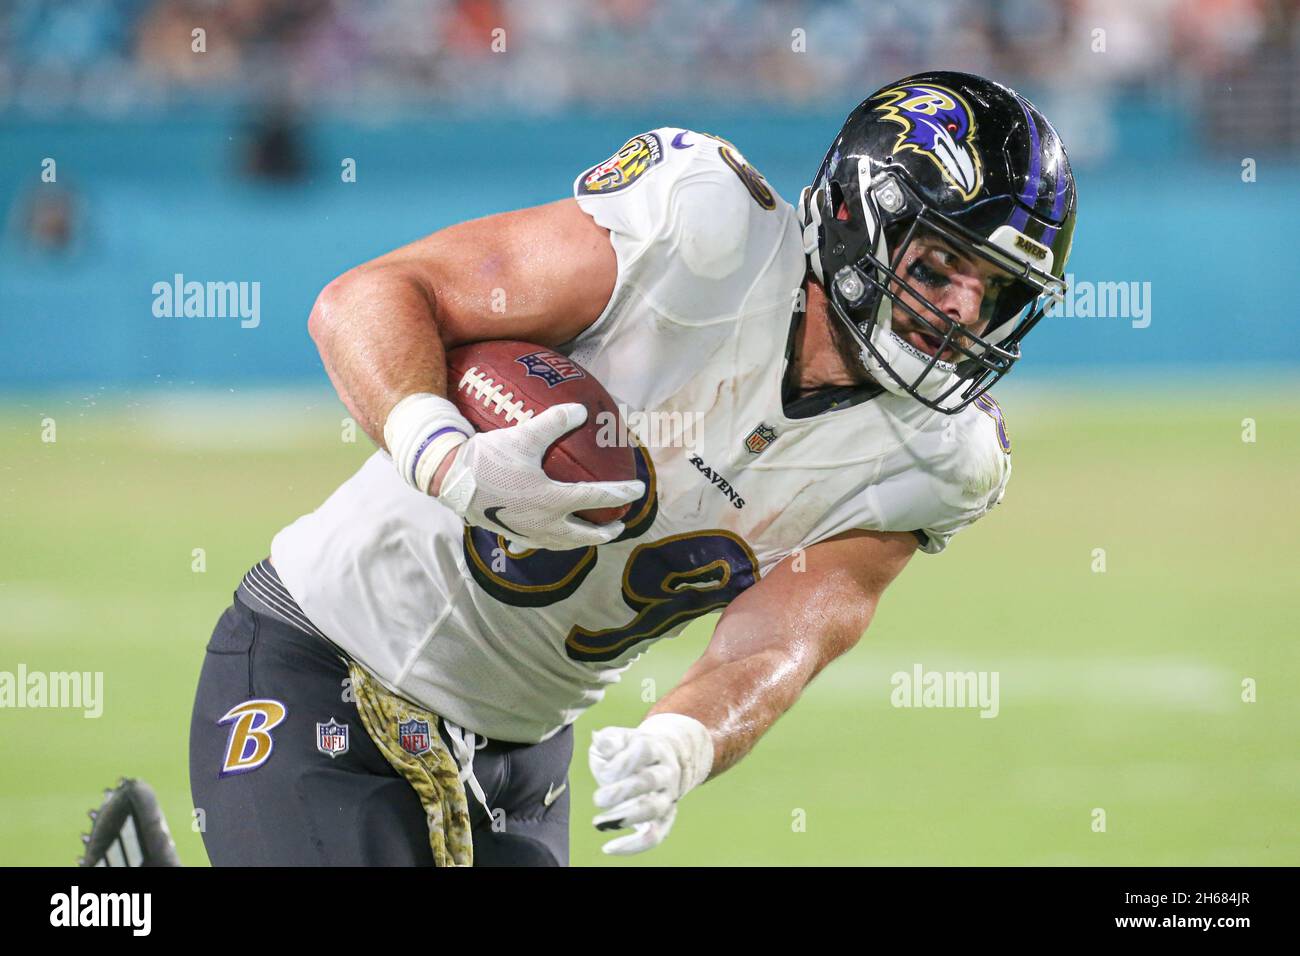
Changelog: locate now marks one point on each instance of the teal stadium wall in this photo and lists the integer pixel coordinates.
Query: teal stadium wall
(165, 195)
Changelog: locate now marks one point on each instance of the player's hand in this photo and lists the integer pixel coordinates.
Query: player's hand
(642, 772)
(496, 482)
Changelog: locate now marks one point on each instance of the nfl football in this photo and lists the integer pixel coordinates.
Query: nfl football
(497, 384)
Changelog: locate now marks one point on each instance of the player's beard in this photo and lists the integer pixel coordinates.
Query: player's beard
(846, 347)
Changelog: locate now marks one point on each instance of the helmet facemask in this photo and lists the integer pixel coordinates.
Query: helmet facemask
(868, 294)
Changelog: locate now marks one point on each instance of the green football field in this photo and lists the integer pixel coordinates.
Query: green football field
(1120, 690)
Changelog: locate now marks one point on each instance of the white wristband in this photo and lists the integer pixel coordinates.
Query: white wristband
(420, 431)
(692, 743)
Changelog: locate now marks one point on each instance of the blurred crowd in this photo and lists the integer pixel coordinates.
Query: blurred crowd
(110, 56)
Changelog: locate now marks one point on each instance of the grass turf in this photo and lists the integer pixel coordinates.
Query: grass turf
(1120, 690)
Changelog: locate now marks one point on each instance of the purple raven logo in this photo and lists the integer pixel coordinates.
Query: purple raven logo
(939, 124)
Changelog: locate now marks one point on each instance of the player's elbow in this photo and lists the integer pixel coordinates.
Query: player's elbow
(340, 305)
(329, 307)
(371, 299)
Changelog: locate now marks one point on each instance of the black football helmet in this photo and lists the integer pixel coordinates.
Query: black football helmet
(967, 161)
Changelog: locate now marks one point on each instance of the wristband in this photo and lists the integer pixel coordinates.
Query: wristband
(420, 432)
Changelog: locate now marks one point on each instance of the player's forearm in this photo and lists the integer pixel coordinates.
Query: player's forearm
(377, 333)
(738, 700)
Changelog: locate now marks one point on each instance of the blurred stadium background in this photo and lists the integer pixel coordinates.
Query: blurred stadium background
(1120, 689)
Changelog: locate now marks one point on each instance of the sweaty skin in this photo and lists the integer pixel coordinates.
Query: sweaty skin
(777, 636)
(383, 329)
(954, 283)
(539, 275)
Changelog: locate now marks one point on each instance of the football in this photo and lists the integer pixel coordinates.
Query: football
(496, 384)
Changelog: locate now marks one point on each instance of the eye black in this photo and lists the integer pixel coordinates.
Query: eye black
(928, 276)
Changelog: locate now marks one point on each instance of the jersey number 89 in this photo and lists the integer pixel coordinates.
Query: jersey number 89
(665, 583)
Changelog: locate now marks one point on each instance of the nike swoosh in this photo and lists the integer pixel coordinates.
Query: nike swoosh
(552, 794)
(491, 515)
(679, 141)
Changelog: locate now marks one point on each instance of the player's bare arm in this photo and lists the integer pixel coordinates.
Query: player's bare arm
(542, 275)
(767, 647)
(776, 637)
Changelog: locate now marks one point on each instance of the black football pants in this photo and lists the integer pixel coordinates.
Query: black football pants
(291, 796)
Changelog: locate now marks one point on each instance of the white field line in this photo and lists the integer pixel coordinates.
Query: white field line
(1138, 683)
(1171, 683)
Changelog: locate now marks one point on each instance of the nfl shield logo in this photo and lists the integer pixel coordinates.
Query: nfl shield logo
(414, 736)
(332, 738)
(551, 367)
(759, 439)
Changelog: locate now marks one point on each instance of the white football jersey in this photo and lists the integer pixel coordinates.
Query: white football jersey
(692, 345)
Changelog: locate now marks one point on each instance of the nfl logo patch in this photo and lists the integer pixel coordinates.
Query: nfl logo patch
(413, 735)
(551, 367)
(759, 439)
(332, 738)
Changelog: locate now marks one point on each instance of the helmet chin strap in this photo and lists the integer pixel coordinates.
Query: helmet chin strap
(809, 212)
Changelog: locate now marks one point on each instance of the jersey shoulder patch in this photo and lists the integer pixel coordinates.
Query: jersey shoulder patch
(691, 224)
(634, 159)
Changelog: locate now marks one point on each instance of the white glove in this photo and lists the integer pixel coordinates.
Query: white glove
(642, 772)
(496, 482)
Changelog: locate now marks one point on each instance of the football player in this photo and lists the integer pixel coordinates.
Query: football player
(397, 683)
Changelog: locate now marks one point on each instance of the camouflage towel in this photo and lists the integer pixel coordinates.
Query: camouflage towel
(424, 761)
